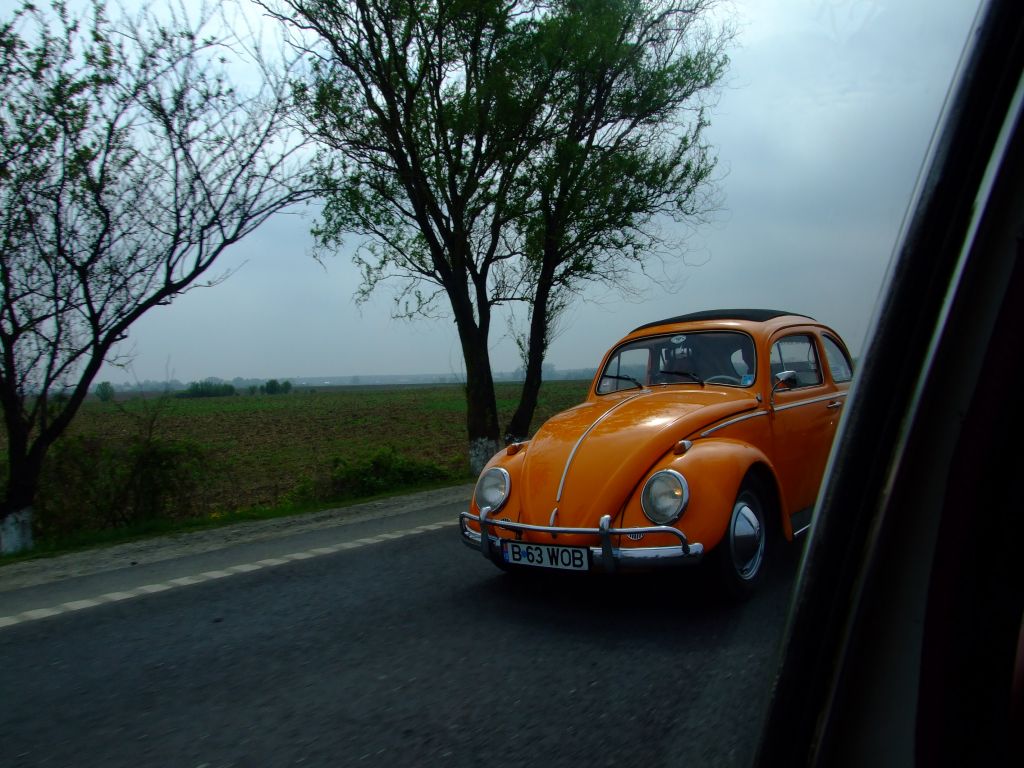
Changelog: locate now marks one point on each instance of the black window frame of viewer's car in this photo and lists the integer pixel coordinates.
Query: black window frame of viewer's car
(904, 640)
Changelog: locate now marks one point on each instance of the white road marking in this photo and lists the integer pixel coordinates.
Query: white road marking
(77, 605)
(185, 581)
(115, 596)
(324, 550)
(214, 574)
(149, 589)
(244, 568)
(41, 613)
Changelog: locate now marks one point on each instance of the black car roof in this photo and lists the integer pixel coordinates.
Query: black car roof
(754, 315)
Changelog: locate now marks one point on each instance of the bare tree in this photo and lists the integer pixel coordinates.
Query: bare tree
(128, 164)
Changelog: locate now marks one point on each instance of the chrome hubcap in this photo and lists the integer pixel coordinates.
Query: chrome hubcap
(746, 540)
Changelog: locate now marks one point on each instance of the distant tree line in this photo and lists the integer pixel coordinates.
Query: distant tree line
(212, 387)
(105, 391)
(208, 389)
(275, 387)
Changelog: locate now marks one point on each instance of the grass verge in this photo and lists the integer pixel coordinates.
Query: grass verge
(154, 466)
(149, 529)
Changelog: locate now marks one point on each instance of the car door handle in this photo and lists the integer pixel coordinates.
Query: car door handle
(835, 404)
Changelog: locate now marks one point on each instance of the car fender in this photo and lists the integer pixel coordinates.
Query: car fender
(715, 469)
(510, 459)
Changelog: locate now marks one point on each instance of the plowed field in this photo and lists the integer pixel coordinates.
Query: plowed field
(264, 447)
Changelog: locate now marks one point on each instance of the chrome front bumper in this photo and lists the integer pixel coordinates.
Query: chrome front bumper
(605, 557)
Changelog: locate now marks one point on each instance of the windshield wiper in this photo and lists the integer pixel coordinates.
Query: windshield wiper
(691, 375)
(630, 379)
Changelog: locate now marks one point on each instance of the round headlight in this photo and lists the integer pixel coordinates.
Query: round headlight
(665, 497)
(492, 489)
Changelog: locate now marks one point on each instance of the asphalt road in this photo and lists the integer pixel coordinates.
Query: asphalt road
(381, 642)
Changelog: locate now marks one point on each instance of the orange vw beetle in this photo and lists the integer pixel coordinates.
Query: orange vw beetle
(700, 433)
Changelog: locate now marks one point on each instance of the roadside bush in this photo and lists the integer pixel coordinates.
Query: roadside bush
(386, 470)
(92, 484)
(383, 471)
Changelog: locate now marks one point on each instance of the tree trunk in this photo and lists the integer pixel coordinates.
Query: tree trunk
(473, 323)
(519, 425)
(16, 507)
(16, 532)
(25, 455)
(481, 404)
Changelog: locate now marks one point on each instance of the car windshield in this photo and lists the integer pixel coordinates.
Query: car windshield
(705, 357)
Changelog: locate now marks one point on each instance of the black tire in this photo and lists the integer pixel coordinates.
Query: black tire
(740, 556)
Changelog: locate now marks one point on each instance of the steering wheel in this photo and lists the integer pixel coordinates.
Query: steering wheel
(722, 379)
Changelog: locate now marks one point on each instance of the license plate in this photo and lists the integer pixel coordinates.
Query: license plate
(546, 556)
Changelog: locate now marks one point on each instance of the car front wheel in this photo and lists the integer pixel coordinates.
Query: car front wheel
(740, 557)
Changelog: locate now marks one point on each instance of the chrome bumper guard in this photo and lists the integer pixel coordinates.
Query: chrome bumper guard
(604, 557)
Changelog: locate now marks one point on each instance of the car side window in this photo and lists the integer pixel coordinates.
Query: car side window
(797, 353)
(626, 370)
(838, 363)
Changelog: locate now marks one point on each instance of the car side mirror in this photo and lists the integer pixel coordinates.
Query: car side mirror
(785, 380)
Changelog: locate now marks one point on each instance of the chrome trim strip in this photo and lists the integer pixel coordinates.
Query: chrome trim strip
(605, 556)
(508, 525)
(811, 401)
(568, 462)
(485, 540)
(730, 422)
(606, 540)
(802, 531)
(651, 556)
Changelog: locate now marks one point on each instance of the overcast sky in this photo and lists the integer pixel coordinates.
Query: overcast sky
(820, 131)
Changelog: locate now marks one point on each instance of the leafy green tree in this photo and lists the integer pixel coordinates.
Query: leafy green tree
(624, 147)
(504, 152)
(105, 391)
(273, 387)
(128, 164)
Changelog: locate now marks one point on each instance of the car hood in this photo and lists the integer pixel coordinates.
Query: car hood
(587, 461)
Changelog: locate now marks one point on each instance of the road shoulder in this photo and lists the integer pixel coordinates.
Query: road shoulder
(31, 573)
